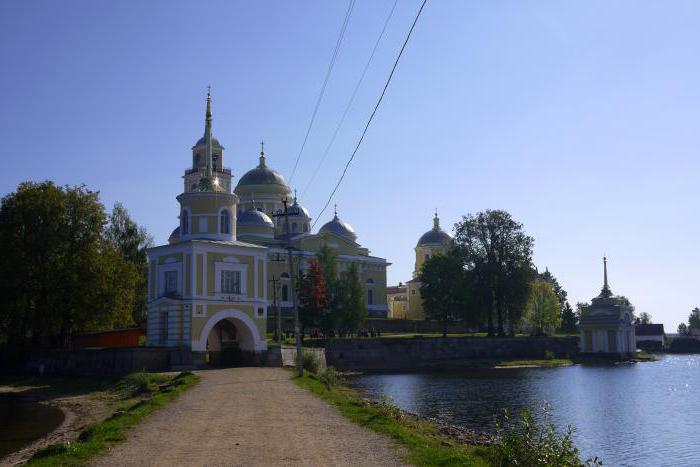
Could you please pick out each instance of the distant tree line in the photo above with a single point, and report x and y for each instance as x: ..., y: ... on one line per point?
x: 488, y: 277
x: 67, y: 266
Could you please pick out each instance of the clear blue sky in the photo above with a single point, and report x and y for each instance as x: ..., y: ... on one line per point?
x: 580, y: 118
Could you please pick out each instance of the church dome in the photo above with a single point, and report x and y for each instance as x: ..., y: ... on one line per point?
x: 174, y: 236
x: 303, y: 212
x: 254, y: 218
x: 339, y: 227
x: 435, y: 236
x: 262, y: 175
x: 214, y: 142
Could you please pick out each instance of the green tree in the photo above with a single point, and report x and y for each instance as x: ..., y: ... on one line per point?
x: 313, y: 296
x: 683, y: 330
x: 543, y: 308
x: 58, y: 274
x: 443, y: 289
x: 516, y: 295
x: 566, y: 314
x: 645, y: 318
x: 694, y: 319
x: 132, y: 241
x: 569, y: 322
x: 349, y: 303
x: 494, y: 245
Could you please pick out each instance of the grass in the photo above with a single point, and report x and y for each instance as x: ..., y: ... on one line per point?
x: 421, y: 442
x: 152, y: 391
x: 643, y: 356
x: 535, y: 362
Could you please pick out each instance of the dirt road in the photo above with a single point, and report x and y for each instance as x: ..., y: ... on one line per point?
x: 249, y: 416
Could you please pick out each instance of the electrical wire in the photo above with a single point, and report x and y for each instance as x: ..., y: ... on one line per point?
x: 350, y: 102
x: 371, y: 117
x: 348, y: 13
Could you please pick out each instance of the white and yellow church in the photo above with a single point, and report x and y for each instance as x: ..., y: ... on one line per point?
x: 210, y: 289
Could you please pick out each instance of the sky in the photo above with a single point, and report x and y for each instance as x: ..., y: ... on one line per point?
x: 579, y: 118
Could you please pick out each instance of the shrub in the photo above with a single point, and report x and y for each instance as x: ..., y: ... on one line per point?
x: 331, y: 377
x: 684, y: 345
x: 548, y: 355
x: 310, y: 361
x: 141, y: 383
x: 528, y: 442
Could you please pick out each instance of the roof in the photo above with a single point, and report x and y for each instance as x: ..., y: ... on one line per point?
x: 395, y: 289
x: 214, y: 142
x: 262, y: 176
x: 339, y: 227
x: 434, y: 236
x: 254, y: 218
x: 649, y: 329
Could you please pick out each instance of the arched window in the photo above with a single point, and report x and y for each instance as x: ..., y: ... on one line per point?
x: 285, y: 293
x: 225, y: 222
x: 370, y: 297
x: 306, y: 227
x: 294, y: 226
x: 369, y: 281
x: 185, y: 218
x: 284, y: 275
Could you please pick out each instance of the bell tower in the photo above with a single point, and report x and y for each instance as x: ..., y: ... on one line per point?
x: 207, y: 150
x: 207, y: 205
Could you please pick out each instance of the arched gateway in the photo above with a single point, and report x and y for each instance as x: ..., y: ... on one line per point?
x: 229, y: 338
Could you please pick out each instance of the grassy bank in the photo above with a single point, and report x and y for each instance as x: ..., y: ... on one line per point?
x: 142, y: 393
x: 535, y: 363
x: 421, y: 443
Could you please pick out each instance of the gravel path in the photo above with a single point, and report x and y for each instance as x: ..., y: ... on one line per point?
x: 250, y: 416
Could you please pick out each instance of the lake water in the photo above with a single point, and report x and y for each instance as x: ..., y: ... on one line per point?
x: 22, y: 422
x: 644, y: 414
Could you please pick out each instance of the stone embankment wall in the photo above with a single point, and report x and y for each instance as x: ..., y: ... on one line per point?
x: 395, y: 354
x: 100, y: 361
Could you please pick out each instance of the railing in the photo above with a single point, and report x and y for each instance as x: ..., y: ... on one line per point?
x: 223, y: 170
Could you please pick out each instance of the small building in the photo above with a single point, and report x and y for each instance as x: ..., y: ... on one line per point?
x: 649, y: 336
x: 607, y: 324
x: 397, y: 301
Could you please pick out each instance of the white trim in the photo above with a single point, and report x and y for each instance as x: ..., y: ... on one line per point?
x: 219, y: 267
x: 162, y: 269
x: 200, y: 345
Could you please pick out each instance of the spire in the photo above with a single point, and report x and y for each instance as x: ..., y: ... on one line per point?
x: 335, y: 211
x: 262, y: 155
x: 295, y: 196
x: 436, y: 221
x: 207, y: 134
x: 605, y: 292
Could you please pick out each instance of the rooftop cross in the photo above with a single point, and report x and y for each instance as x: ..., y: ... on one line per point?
x: 262, y: 155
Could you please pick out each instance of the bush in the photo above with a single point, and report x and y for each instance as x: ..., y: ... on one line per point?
x: 310, y: 361
x: 548, y: 355
x: 528, y: 442
x: 331, y: 377
x: 141, y: 383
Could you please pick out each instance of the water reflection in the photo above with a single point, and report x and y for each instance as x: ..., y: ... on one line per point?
x: 634, y: 414
x: 22, y: 422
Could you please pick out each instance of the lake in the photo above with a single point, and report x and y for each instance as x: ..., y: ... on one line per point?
x: 644, y: 414
x: 22, y: 422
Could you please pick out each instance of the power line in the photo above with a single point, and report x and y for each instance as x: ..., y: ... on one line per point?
x: 371, y: 117
x: 352, y: 99
x: 348, y: 12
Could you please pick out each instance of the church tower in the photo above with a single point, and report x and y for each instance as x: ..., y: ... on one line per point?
x: 207, y: 205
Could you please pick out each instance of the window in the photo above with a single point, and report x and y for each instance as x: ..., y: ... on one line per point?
x: 225, y: 222
x: 285, y: 293
x: 185, y: 222
x: 413, y: 291
x: 427, y: 257
x: 231, y: 282
x: 370, y: 297
x: 306, y: 227
x: 294, y: 226
x: 170, y: 282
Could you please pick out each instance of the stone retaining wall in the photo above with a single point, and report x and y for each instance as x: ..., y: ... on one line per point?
x: 395, y: 354
x: 99, y: 361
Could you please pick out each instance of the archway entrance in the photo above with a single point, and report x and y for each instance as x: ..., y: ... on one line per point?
x: 230, y: 338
